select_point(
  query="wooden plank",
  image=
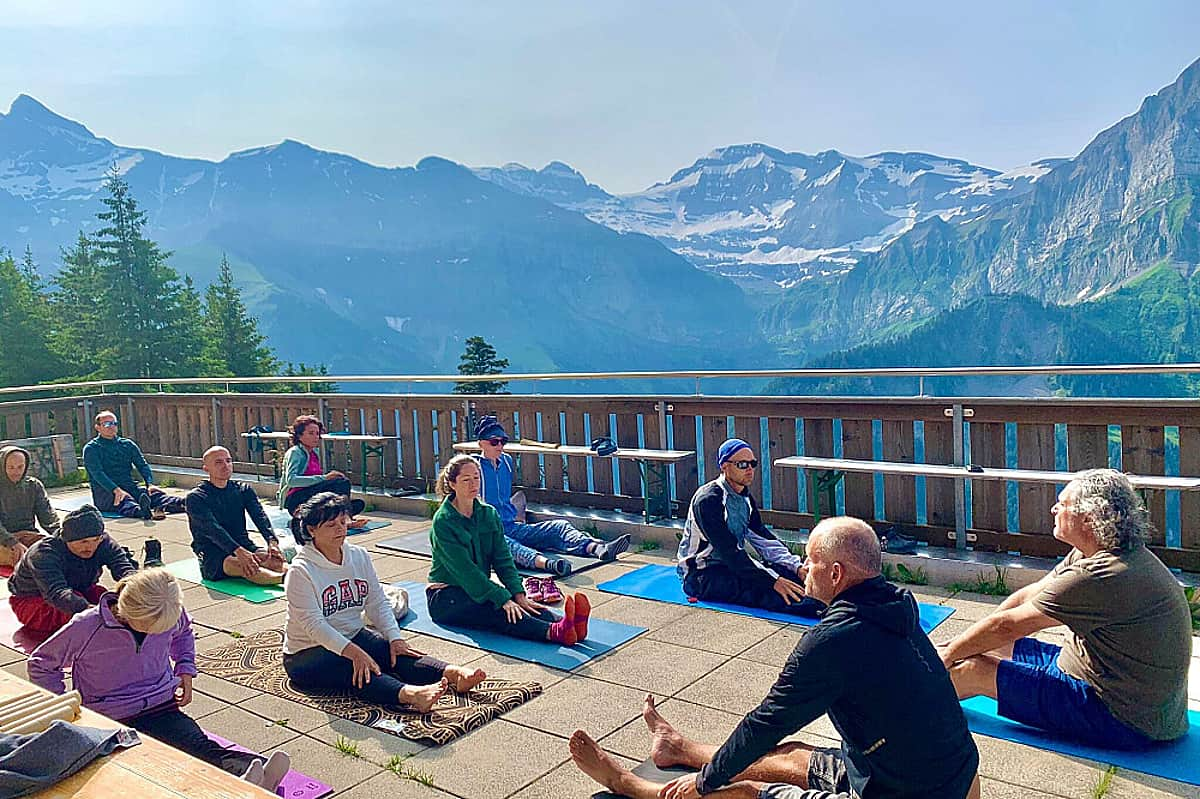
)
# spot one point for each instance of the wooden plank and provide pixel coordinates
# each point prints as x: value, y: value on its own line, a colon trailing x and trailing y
x: 1189, y: 501
x: 939, y: 493
x: 576, y: 433
x: 1087, y: 446
x: 408, y: 442
x: 388, y: 427
x: 425, y: 434
x: 1143, y: 451
x: 781, y: 443
x: 39, y: 423
x: 989, y: 500
x: 602, y: 481
x: 859, y: 488
x: 627, y: 436
x: 715, y: 430
x: 553, y: 464
x: 525, y: 467
x: 204, y: 431
x: 899, y: 493
x: 683, y: 434
x: 445, y: 436
x: 1035, y: 450
x: 164, y: 424
x: 14, y: 425
x: 818, y: 442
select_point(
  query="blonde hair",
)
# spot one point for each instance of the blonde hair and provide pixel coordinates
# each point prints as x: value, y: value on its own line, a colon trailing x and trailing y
x: 152, y: 598
x: 450, y: 473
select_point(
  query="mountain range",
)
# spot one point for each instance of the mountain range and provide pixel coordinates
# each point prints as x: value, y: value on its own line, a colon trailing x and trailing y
x: 751, y: 256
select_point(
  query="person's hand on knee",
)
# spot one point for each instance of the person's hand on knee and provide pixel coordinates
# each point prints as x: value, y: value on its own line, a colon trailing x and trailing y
x: 363, y: 664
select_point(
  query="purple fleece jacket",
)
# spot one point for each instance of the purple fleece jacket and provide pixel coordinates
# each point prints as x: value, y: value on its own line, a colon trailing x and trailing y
x: 115, y: 675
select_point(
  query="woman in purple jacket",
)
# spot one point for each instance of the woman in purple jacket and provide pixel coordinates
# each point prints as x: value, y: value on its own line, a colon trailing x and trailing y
x: 120, y: 654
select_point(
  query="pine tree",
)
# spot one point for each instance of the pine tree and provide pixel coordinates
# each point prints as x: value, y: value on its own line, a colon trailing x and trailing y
x: 304, y: 370
x: 30, y: 271
x: 78, y: 327
x: 479, y: 358
x: 26, y: 356
x: 185, y: 339
x: 233, y: 344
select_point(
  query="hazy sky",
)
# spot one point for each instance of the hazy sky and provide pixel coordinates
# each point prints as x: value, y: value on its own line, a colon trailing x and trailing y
x: 626, y: 92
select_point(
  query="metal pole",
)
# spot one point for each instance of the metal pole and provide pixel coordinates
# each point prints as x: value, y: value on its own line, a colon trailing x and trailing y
x: 960, y: 484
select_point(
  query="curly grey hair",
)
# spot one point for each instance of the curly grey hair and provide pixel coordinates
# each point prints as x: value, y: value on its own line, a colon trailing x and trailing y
x: 1114, y: 511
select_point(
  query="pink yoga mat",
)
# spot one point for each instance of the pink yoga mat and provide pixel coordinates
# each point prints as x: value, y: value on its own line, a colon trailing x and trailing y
x: 13, y: 635
x: 294, y: 785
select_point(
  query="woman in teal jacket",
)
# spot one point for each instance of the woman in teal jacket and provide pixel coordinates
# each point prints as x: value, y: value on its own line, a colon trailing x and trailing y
x: 302, y: 476
x: 468, y: 545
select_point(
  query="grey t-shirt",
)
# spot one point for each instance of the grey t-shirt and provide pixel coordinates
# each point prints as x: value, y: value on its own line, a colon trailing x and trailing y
x: 1131, y: 635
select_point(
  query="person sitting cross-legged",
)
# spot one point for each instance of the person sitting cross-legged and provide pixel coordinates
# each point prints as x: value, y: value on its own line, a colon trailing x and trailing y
x: 868, y: 664
x: 132, y: 657
x: 217, y: 510
x: 302, y: 476
x: 1121, y: 680
x: 528, y: 541
x: 722, y: 524
x: 59, y: 576
x: 23, y: 504
x: 326, y: 648
x: 110, y: 460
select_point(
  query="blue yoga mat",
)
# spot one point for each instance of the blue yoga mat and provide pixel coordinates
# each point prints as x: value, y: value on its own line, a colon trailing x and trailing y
x: 69, y: 504
x: 281, y: 521
x: 1177, y: 760
x: 661, y: 583
x: 603, y: 636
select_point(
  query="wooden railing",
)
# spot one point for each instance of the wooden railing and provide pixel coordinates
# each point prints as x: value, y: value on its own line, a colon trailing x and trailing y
x: 1151, y: 437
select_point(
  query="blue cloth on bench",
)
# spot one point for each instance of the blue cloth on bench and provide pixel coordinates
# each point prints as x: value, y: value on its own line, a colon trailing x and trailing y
x: 1176, y: 760
x: 602, y: 636
x: 661, y: 583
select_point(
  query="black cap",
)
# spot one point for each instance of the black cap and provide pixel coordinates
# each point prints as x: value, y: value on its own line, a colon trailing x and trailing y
x: 83, y: 523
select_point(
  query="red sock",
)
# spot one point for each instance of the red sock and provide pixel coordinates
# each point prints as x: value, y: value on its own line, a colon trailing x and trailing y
x: 563, y: 630
x: 583, y: 609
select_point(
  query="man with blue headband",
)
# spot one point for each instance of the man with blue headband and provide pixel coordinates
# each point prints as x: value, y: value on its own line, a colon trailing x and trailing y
x: 723, y: 525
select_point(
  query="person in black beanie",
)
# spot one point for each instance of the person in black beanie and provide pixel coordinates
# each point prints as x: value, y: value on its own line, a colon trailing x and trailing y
x: 58, y: 577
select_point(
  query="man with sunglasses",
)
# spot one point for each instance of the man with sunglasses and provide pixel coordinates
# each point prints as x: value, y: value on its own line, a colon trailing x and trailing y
x: 722, y: 524
x: 527, y: 541
x: 110, y: 460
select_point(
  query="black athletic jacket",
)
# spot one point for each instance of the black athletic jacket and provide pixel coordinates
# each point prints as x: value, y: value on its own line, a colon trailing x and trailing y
x: 871, y: 667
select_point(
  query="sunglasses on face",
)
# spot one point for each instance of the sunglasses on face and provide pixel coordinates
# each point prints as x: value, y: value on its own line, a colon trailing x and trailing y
x: 495, y: 442
x: 746, y: 464
x: 108, y: 424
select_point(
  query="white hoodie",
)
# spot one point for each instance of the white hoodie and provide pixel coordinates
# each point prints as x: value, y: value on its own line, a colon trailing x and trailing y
x: 325, y: 601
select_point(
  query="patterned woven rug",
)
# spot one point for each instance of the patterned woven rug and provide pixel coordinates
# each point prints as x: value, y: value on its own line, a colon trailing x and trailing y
x: 256, y: 662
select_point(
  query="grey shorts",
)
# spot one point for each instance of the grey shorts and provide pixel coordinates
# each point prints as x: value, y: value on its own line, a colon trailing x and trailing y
x: 827, y: 779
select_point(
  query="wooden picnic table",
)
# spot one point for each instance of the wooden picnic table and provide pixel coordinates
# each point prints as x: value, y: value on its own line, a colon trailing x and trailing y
x: 150, y: 770
x: 652, y: 465
x: 370, y: 446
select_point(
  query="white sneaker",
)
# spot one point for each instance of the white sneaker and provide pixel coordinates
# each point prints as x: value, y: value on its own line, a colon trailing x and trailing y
x: 254, y: 773
x: 278, y: 765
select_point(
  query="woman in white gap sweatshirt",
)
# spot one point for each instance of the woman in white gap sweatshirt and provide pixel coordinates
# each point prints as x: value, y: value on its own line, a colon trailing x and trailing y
x: 326, y: 648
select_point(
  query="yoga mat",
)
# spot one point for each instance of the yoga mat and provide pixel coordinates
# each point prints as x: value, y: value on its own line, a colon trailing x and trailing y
x: 648, y: 771
x: 282, y: 522
x: 15, y: 636
x: 233, y: 586
x: 69, y: 504
x: 1177, y: 760
x: 256, y: 662
x: 294, y: 785
x: 661, y: 583
x: 418, y: 544
x: 603, y: 636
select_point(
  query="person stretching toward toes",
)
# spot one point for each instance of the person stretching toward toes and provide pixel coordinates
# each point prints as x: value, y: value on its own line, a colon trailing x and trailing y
x: 903, y: 733
x: 468, y: 544
x: 326, y: 648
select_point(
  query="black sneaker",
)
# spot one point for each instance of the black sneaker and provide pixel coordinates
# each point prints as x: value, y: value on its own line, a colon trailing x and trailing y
x: 144, y: 504
x: 893, y: 543
x: 609, y: 551
x: 559, y: 566
x: 129, y: 554
x: 152, y: 549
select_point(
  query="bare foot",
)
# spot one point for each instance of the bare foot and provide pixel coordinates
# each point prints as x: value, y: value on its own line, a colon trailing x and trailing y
x: 422, y: 698
x: 667, y: 748
x: 596, y: 763
x: 463, y: 679
x: 357, y: 522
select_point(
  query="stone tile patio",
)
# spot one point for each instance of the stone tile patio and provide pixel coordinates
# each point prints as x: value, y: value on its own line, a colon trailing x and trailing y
x: 706, y: 668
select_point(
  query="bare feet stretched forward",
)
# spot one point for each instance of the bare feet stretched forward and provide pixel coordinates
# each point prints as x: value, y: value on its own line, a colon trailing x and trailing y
x: 668, y: 748
x: 423, y: 697
x: 600, y: 766
x: 463, y: 679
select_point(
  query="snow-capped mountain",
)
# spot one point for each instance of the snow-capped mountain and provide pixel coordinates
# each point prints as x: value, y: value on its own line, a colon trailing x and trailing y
x: 750, y: 210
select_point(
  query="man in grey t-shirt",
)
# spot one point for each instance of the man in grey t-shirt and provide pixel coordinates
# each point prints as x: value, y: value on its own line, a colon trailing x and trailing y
x: 1121, y: 680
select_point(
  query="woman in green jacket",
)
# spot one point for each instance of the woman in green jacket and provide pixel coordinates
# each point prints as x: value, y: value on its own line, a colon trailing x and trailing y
x: 468, y: 545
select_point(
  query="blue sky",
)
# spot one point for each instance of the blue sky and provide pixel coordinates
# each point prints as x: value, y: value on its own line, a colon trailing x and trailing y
x: 626, y: 92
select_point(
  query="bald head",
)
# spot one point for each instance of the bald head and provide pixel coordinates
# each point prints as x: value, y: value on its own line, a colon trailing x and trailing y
x: 218, y: 463
x: 848, y: 541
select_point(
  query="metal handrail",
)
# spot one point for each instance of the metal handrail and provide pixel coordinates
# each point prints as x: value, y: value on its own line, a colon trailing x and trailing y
x: 691, y: 374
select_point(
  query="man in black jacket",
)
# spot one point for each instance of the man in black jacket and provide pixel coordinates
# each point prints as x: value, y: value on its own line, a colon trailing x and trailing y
x: 722, y: 525
x: 903, y: 733
x: 216, y: 511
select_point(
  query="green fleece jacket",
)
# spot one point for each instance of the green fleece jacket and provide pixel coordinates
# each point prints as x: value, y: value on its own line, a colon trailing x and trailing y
x: 23, y: 501
x: 467, y: 550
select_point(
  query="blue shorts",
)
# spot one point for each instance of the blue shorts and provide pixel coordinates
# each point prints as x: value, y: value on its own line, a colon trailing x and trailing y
x: 1032, y: 689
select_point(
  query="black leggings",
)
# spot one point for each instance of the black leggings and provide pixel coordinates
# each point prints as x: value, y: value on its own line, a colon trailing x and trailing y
x: 452, y: 607
x: 338, y: 485
x: 175, y: 728
x: 317, y: 670
x: 715, y: 583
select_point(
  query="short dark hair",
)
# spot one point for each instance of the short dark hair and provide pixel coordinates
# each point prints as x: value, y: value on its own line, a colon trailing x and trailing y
x: 302, y: 422
x: 317, y: 510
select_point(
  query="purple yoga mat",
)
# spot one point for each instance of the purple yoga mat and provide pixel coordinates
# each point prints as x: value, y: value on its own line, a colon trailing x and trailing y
x: 294, y: 784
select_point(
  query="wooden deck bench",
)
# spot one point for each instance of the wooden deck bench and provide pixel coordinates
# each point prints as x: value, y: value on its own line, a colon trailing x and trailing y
x: 825, y: 473
x: 652, y: 465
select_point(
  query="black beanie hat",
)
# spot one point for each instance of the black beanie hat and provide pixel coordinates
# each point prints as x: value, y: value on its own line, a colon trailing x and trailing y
x: 83, y: 523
